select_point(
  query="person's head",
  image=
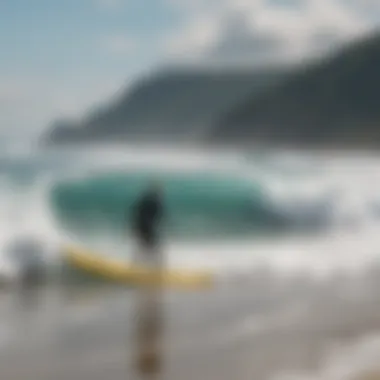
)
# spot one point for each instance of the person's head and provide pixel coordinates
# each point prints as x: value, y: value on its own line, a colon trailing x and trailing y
x: 155, y: 188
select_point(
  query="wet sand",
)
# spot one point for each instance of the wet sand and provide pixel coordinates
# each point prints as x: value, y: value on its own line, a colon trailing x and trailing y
x: 267, y: 327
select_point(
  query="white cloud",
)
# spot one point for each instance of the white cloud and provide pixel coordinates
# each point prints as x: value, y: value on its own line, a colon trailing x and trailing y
x: 119, y: 44
x: 195, y: 38
x: 252, y: 30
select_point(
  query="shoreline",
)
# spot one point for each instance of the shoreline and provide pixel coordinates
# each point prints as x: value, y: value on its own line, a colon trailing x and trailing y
x: 265, y: 328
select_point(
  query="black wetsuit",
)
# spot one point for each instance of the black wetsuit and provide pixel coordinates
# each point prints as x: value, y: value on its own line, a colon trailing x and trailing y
x: 147, y: 214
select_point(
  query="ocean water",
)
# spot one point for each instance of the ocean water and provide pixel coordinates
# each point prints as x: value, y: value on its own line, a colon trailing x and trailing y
x: 293, y: 238
x: 225, y: 210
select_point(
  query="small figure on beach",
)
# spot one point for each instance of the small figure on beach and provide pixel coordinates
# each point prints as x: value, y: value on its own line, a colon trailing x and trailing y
x: 26, y: 254
x: 147, y: 214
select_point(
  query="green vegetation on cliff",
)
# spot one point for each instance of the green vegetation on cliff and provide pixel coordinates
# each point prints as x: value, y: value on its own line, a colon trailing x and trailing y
x: 172, y: 104
x: 333, y: 102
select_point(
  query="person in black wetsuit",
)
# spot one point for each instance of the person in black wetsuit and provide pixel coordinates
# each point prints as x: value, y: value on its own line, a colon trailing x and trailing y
x: 146, y: 217
x: 147, y: 214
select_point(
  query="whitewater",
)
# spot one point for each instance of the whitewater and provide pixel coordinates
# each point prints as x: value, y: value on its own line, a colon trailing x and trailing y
x: 293, y: 238
x: 335, y: 194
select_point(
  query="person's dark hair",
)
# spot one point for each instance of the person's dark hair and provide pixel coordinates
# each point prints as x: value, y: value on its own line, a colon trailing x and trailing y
x: 154, y: 187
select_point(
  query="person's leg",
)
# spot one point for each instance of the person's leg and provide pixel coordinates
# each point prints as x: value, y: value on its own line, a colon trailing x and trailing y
x: 148, y: 358
x: 141, y: 248
x: 150, y: 249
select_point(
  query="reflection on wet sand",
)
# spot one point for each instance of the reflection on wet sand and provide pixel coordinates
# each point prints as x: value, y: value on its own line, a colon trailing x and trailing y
x: 149, y: 317
x: 149, y: 333
x: 269, y: 328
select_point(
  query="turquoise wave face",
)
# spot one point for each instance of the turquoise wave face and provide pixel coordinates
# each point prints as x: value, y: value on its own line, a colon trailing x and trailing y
x: 197, y: 204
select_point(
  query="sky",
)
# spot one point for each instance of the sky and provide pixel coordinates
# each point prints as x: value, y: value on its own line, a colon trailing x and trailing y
x: 60, y: 58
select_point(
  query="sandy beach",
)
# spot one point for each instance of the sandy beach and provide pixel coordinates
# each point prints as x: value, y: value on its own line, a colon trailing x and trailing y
x: 269, y: 327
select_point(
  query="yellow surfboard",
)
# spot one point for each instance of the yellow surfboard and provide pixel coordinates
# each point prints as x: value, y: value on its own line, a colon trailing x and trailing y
x: 118, y: 270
